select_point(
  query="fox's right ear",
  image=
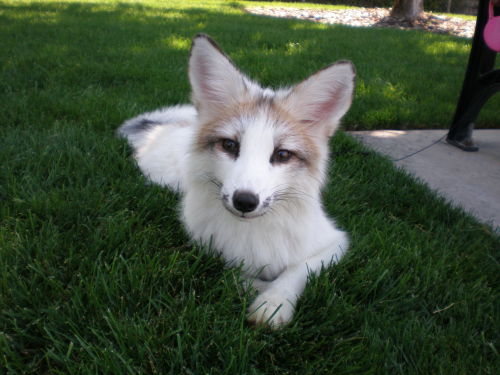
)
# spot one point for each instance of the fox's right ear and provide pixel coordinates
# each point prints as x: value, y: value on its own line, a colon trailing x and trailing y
x: 216, y: 83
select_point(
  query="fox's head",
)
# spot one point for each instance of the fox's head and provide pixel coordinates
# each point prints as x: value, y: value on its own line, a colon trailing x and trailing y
x: 259, y: 148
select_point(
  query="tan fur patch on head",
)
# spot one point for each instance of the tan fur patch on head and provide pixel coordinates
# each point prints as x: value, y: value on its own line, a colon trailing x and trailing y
x: 303, y: 135
x: 212, y: 130
x: 305, y: 138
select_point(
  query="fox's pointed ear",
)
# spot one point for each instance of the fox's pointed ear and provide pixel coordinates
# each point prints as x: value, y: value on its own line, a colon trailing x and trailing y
x: 216, y: 83
x: 324, y: 97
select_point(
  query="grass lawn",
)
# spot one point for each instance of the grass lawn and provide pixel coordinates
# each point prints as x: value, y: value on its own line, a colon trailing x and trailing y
x: 96, y: 273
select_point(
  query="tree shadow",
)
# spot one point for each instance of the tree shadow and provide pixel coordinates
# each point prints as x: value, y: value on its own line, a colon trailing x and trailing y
x: 115, y: 60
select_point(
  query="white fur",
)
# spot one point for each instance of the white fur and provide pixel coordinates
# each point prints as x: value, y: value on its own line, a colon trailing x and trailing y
x: 288, y: 235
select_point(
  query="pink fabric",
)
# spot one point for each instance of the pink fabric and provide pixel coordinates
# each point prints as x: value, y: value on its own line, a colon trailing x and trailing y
x: 491, y: 31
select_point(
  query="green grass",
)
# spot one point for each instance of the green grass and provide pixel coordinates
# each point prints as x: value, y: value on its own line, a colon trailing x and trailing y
x: 71, y: 59
x: 96, y: 273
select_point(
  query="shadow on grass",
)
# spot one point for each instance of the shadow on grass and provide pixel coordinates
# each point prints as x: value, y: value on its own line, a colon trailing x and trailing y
x: 71, y: 60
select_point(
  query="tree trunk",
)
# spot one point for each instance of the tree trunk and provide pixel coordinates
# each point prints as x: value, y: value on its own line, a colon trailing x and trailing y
x: 408, y: 10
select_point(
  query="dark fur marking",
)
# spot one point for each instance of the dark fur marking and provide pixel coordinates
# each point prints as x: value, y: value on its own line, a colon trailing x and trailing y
x: 264, y: 100
x: 266, y: 202
x: 139, y: 126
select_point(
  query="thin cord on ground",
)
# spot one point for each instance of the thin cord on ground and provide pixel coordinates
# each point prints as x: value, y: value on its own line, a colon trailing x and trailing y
x: 422, y: 149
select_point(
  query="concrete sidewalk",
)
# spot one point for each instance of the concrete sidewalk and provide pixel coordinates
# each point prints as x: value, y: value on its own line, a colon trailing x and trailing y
x: 468, y: 179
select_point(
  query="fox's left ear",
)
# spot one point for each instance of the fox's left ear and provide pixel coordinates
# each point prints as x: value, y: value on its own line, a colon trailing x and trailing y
x: 324, y: 97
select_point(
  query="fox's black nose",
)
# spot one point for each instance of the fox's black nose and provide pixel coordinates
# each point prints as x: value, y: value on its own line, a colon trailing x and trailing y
x: 245, y: 201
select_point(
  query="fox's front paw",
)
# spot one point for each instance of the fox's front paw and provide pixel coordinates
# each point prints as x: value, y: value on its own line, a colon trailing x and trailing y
x: 271, y: 308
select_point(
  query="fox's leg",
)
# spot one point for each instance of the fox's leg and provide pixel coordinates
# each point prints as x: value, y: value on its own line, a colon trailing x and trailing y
x: 258, y: 284
x: 275, y: 304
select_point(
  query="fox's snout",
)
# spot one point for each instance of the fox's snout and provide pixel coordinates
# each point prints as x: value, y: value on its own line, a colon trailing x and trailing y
x: 245, y: 201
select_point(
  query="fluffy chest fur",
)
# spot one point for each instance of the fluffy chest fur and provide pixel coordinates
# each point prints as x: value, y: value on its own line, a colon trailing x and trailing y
x: 266, y: 245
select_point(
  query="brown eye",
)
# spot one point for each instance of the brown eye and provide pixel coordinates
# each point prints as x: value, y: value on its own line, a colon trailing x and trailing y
x: 230, y: 146
x: 281, y: 156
